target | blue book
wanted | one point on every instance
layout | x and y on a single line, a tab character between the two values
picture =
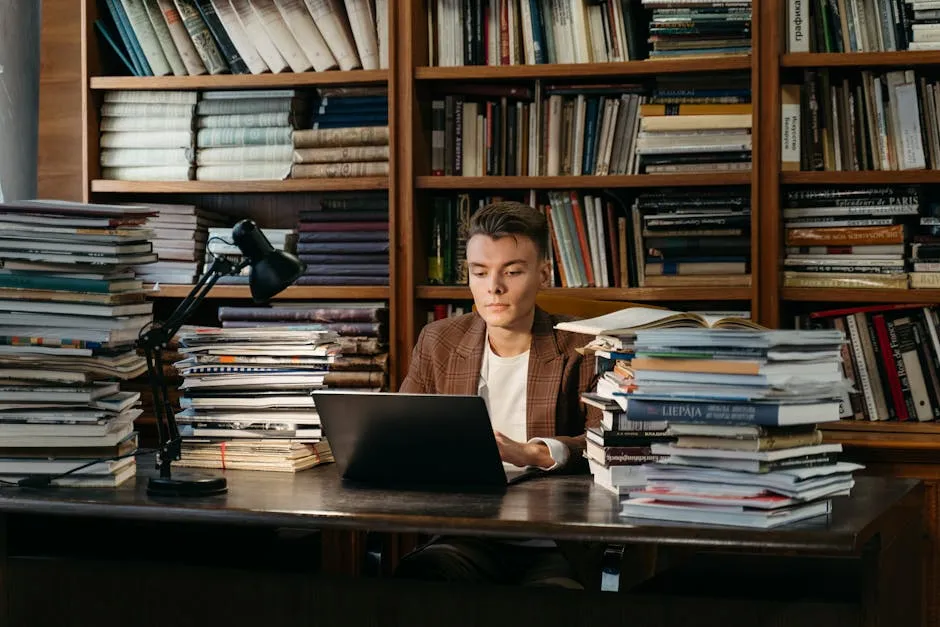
110	40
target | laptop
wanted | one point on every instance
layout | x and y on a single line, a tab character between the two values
421	440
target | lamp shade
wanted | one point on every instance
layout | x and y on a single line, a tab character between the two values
271	270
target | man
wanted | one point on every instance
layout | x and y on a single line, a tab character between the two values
530	377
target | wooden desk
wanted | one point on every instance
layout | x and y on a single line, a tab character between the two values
864	551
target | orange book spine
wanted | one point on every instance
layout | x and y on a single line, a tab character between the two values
582	238
846	236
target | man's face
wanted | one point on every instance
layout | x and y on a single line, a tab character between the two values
505	276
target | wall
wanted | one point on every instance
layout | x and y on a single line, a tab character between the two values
60	100
19	97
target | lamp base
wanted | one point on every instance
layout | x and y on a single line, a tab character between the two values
187	485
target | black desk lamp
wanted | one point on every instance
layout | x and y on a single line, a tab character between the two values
271	271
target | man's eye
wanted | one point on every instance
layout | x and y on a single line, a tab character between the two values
513	272
479	274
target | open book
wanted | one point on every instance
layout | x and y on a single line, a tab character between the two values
628	321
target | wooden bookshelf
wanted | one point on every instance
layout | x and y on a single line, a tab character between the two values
581	182
568	71
274	204
906	58
458	292
849	295
242	81
237	187
909	448
418	79
866	177
295	292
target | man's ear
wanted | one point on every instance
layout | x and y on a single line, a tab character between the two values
545	271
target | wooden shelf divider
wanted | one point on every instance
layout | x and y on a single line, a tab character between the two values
580	182
582	70
460	292
232	187
904	58
295	292
241	81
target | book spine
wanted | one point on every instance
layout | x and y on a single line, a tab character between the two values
227	49
201	37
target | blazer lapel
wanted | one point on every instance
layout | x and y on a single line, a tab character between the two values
546	368
466	360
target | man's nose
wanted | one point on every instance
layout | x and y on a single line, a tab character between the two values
496	285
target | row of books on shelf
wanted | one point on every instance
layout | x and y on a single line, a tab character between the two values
211	135
861	120
341	237
208	37
864	237
677	123
862	26
709	418
666	238
515	32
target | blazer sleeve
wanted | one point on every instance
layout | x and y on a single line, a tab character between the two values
580	416
419	379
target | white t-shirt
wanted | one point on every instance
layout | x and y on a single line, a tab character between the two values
503	382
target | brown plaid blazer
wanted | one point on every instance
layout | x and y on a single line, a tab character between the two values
449	354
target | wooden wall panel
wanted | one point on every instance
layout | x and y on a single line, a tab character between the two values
60	100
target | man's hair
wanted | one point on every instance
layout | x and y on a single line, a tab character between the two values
511	219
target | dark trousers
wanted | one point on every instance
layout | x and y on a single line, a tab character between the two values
483	560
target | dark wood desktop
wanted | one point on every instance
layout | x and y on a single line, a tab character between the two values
103	557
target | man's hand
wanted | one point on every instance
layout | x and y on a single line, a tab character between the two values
523	454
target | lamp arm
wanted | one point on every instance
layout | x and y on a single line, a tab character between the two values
155	340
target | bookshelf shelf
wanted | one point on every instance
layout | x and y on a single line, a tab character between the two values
458	292
231	187
869	177
241	81
296	292
581	70
580	182
903	58
850	295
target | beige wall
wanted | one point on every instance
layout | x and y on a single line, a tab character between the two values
60	101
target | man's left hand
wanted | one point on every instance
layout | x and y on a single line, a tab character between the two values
523	454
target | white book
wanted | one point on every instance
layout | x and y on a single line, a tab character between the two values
238	35
164	38
305	32
329	17
280	35
258	36
361	19
146	37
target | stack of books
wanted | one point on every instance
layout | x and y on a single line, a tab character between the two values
848	237
743	404
197	37
246	400
620	447
179	234
346	152
361	327
699	29
925	247
70	312
147	135
343	239
696	124
693	237
219	245
246	134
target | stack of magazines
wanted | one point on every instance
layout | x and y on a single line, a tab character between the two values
742	406
246	400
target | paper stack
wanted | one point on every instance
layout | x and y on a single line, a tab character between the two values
246	400
70	312
744	407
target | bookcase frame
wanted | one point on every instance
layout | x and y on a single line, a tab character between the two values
892	448
906	449
415	79
273	203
